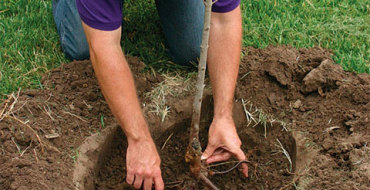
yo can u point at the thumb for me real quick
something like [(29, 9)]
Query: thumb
[(208, 152)]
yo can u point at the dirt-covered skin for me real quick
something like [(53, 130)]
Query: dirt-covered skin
[(325, 108)]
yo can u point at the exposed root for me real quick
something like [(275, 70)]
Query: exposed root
[(207, 182), (229, 170), (222, 163)]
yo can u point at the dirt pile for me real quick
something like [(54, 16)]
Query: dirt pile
[(68, 109), (327, 108), (282, 93)]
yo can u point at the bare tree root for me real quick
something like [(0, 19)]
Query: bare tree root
[(229, 170), (207, 182)]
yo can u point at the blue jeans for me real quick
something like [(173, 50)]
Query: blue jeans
[(182, 22)]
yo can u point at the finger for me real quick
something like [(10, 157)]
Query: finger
[(218, 151), (208, 151), (148, 183), (241, 156), (138, 181), (130, 178), (158, 182), (223, 156)]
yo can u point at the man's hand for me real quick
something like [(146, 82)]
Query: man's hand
[(143, 165), (223, 142), (118, 87)]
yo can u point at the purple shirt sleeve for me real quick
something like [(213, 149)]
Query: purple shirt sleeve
[(101, 14), (107, 14), (223, 6)]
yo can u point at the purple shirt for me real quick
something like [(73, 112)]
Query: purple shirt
[(107, 14)]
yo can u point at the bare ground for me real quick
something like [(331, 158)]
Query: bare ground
[(318, 112)]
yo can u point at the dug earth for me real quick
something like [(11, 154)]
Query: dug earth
[(303, 121)]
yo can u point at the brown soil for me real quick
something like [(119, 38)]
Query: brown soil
[(327, 108), (268, 167), (305, 97), (68, 109)]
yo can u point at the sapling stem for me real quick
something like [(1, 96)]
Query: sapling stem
[(194, 130), (194, 150)]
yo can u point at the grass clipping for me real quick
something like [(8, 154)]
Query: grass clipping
[(173, 85)]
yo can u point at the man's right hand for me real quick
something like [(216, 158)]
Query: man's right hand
[(118, 87), (143, 165)]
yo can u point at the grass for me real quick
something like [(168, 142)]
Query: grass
[(174, 84), (340, 25), (29, 43)]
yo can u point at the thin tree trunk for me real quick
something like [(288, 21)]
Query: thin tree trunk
[(194, 150), (194, 130)]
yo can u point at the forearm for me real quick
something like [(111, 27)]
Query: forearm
[(223, 59), (117, 85)]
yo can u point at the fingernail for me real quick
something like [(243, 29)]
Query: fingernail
[(203, 157)]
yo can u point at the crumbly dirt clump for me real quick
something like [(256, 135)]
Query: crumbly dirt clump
[(285, 98)]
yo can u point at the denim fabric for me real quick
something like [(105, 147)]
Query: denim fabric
[(182, 23), (69, 27)]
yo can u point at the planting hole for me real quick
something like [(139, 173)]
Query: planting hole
[(269, 166)]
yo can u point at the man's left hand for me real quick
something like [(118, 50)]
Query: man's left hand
[(224, 142)]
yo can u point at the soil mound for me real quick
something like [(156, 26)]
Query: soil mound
[(285, 98), (327, 108), (69, 108)]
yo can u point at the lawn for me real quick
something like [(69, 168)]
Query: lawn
[(29, 44)]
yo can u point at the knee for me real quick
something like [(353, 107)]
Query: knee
[(185, 53), (73, 40), (76, 49), (71, 34)]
